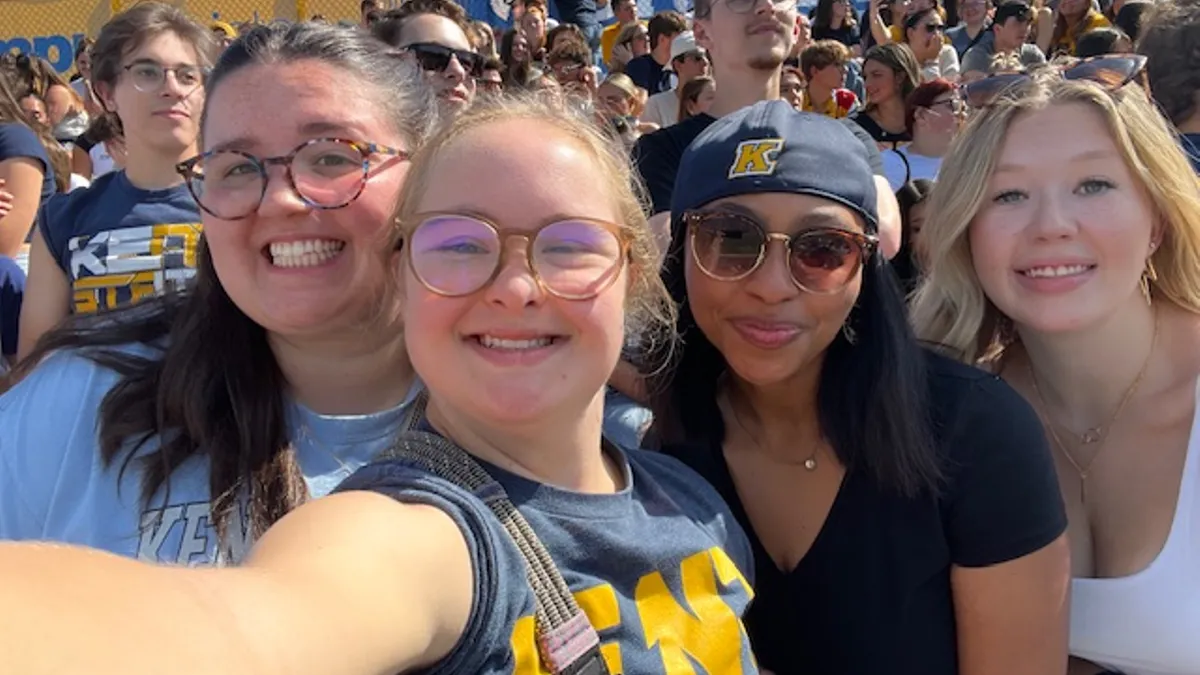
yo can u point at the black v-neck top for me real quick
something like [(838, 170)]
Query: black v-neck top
[(872, 596)]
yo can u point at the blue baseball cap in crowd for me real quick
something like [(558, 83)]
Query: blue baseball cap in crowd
[(770, 147)]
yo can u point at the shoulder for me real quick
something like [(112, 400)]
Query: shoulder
[(866, 138), (674, 138), (18, 140), (959, 390), (71, 204)]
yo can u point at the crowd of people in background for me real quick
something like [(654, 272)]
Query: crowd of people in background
[(747, 339)]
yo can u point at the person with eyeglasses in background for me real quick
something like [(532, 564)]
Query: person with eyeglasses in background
[(935, 114), (133, 233), (435, 33)]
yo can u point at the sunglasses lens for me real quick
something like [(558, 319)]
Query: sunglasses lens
[(432, 58), (454, 255), (981, 93), (471, 62), (824, 261), (726, 246), (1109, 72), (576, 259)]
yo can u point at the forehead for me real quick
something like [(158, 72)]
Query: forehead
[(308, 99), (434, 28), (788, 211), (1058, 133), (166, 48), (515, 181)]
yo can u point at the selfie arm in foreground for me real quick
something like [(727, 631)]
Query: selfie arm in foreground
[(336, 587)]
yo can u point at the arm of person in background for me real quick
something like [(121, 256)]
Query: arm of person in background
[(22, 178), (47, 296), (888, 210), (335, 588), (1043, 23), (81, 162), (629, 381), (880, 31)]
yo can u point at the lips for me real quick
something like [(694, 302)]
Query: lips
[(766, 334)]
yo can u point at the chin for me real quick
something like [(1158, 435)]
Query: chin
[(1060, 318)]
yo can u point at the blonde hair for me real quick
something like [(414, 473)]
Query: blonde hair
[(1005, 62), (650, 311), (950, 309)]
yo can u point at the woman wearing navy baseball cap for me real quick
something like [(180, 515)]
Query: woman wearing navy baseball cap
[(903, 508)]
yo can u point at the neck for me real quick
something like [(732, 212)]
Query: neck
[(345, 374), (1002, 47), (1083, 375), (661, 56), (935, 147), (890, 114), (150, 168), (781, 414), (743, 88), (973, 27), (560, 450)]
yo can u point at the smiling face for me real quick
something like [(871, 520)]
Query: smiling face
[(511, 352), (294, 269), (454, 86), (880, 82), (1066, 228), (766, 327)]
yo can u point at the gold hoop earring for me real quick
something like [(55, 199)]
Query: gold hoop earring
[(1149, 275)]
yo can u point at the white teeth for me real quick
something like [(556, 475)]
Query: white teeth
[(498, 343), (305, 253), (1059, 271)]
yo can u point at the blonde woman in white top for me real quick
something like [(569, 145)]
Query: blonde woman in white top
[(1063, 241)]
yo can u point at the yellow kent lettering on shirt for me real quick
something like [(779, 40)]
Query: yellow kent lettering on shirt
[(698, 631), (115, 268)]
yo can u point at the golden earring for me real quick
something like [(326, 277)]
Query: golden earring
[(1148, 275)]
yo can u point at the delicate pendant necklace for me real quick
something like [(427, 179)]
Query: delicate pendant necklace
[(809, 463), (1096, 435)]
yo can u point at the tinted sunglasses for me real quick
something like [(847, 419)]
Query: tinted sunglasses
[(436, 58), (731, 246), (1111, 72)]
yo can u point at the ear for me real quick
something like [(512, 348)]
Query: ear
[(797, 28), (105, 94)]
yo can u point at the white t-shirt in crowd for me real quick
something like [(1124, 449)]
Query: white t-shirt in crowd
[(919, 166), (662, 108)]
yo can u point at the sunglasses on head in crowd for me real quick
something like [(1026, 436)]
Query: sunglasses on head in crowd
[(1110, 72), (436, 58), (731, 246)]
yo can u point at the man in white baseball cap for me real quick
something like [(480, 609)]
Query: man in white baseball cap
[(689, 61)]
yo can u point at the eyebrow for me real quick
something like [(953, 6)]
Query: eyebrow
[(153, 62), (1086, 156), (810, 221), (313, 129)]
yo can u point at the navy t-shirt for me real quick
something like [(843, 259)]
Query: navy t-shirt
[(18, 140), (12, 289), (662, 569), (119, 244), (647, 74)]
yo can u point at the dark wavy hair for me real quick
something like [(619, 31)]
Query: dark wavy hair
[(872, 398), (212, 386)]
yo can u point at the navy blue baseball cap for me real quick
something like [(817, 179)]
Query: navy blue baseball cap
[(770, 147)]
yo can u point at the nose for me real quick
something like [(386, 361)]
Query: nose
[(1051, 218), (515, 286), (279, 198), (454, 70), (172, 88), (772, 281)]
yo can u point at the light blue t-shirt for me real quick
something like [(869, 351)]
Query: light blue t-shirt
[(54, 485)]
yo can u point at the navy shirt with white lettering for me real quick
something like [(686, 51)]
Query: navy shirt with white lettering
[(662, 569), (119, 244)]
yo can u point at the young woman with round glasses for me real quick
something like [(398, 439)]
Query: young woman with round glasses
[(517, 297), (133, 233), (180, 429), (902, 508), (1062, 251)]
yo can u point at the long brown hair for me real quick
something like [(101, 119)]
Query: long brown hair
[(12, 90), (211, 386)]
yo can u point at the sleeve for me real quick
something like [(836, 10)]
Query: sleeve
[(48, 447), (18, 140), (56, 222), (12, 290), (492, 609), (948, 63), (657, 163), (1031, 55), (869, 143), (1004, 501), (637, 70)]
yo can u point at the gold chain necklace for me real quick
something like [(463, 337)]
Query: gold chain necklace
[(1095, 435), (809, 463)]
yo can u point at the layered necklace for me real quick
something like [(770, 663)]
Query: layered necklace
[(1097, 435)]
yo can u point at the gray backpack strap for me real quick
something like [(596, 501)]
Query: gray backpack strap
[(567, 642)]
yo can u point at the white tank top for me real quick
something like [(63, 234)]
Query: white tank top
[(1149, 623)]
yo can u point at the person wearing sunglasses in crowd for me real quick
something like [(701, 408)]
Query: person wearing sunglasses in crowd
[(133, 233), (435, 34), (517, 296), (1063, 253), (935, 115), (178, 430), (924, 33), (902, 507), (1010, 35)]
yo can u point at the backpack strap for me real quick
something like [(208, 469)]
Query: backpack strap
[(567, 642)]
